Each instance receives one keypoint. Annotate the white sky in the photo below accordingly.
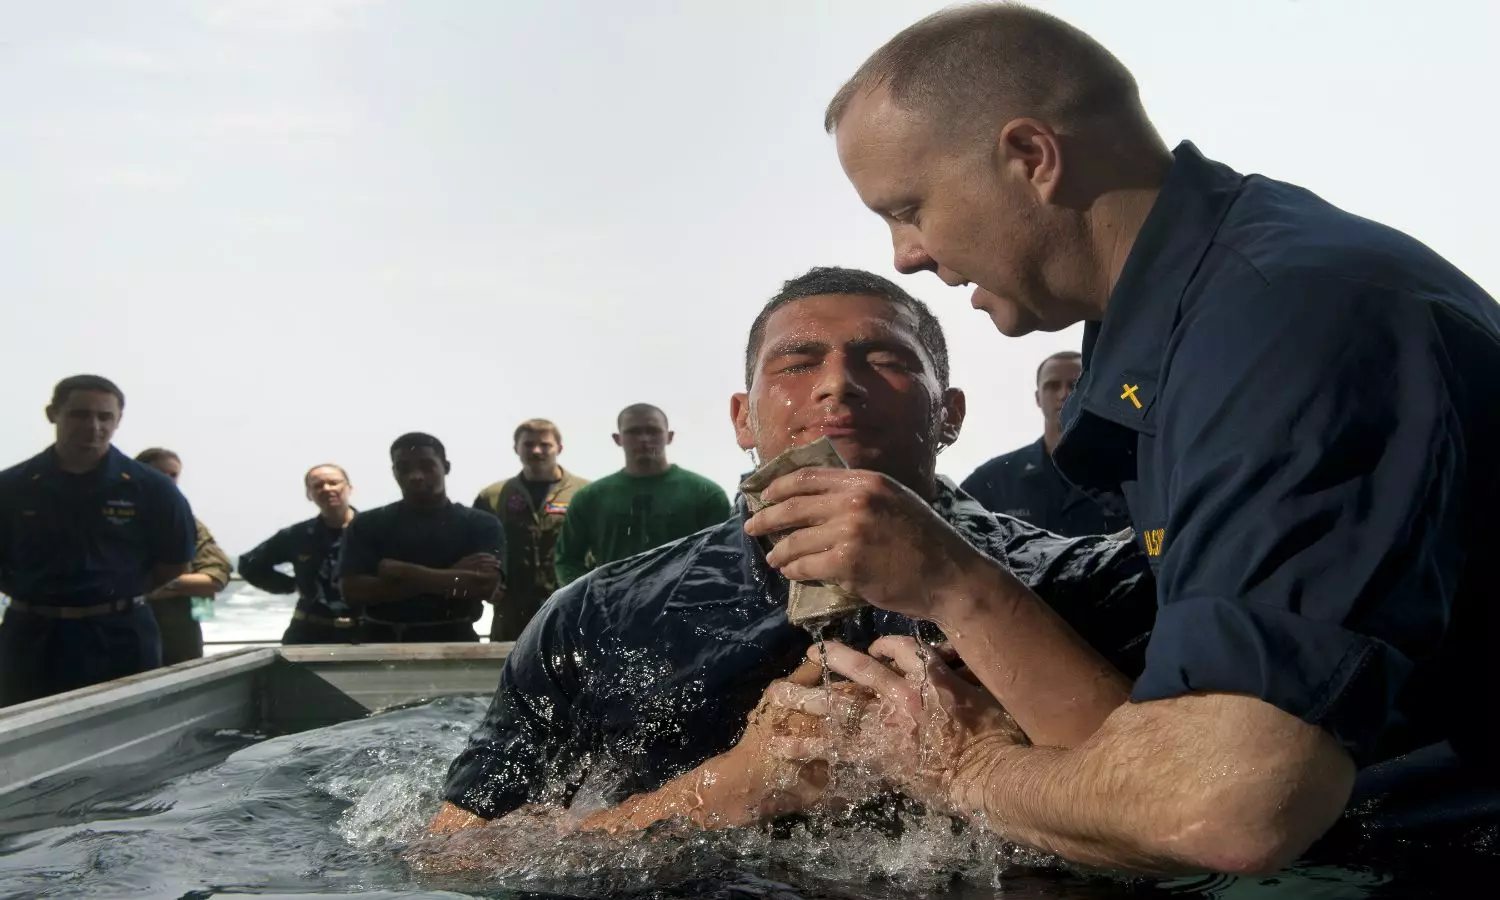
(293, 230)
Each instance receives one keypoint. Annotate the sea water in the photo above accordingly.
(341, 811)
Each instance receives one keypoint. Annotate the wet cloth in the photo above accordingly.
(646, 667)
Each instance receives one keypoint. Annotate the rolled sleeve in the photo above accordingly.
(1311, 544)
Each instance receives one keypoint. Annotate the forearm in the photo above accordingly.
(193, 584)
(1213, 782)
(270, 580)
(710, 796)
(448, 582)
(1057, 687)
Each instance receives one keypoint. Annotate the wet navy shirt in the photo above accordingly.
(84, 539)
(435, 538)
(646, 667)
(312, 547)
(1024, 483)
(1300, 407)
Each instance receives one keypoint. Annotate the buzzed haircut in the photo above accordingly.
(308, 474)
(415, 440)
(152, 455)
(635, 408)
(99, 383)
(1061, 354)
(981, 65)
(824, 280)
(539, 426)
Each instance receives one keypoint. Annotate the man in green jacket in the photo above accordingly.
(648, 503)
(532, 507)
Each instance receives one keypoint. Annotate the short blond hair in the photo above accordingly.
(538, 426)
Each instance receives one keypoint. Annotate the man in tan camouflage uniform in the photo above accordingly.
(531, 506)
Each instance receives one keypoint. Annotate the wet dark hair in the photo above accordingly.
(414, 440)
(824, 280)
(1061, 354)
(152, 455)
(67, 386)
(640, 408)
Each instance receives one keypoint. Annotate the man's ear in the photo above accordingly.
(739, 416)
(955, 407)
(447, 467)
(52, 414)
(616, 436)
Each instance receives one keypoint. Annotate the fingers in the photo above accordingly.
(861, 669)
(807, 674)
(804, 542)
(810, 480)
(794, 512)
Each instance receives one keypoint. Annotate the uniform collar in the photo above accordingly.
(114, 465)
(1122, 354)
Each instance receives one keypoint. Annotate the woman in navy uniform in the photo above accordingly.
(312, 547)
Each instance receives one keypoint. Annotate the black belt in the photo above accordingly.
(371, 621)
(339, 622)
(77, 612)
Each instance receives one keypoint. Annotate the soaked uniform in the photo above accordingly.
(531, 513)
(1024, 483)
(312, 547)
(76, 554)
(1299, 406)
(646, 667)
(621, 515)
(435, 538)
(181, 634)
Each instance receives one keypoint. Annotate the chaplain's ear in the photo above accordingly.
(954, 408)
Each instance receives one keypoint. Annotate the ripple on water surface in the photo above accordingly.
(324, 812)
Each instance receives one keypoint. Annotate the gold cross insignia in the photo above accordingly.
(1129, 394)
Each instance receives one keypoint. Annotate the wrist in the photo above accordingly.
(982, 594)
(968, 788)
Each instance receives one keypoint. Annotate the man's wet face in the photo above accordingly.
(420, 473)
(1054, 385)
(953, 211)
(644, 436)
(850, 368)
(86, 422)
(538, 451)
(328, 488)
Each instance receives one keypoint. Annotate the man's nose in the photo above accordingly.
(911, 258)
(839, 383)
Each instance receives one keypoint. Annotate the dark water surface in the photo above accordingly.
(323, 813)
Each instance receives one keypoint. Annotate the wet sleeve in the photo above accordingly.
(258, 567)
(1310, 548)
(571, 561)
(525, 749)
(1101, 586)
(358, 554)
(174, 532)
(209, 559)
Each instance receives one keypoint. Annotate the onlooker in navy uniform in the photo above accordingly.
(1024, 483)
(312, 547)
(86, 533)
(419, 568)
